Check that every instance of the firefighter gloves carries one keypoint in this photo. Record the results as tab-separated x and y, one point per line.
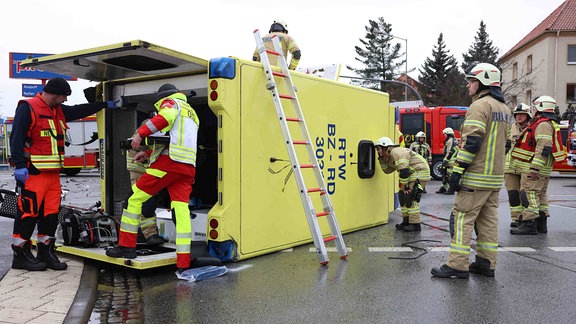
21	174
113	104
455	181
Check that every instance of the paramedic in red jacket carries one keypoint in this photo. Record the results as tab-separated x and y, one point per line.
37	152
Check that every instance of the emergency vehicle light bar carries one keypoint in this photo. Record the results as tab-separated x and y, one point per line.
223	67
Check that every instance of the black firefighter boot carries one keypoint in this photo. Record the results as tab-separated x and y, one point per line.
47	254
24	259
542	223
405	222
526	228
481	266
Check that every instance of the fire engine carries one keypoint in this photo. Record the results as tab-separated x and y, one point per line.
568	132
250	202
81	141
431	120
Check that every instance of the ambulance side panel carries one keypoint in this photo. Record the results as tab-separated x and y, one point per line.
259	206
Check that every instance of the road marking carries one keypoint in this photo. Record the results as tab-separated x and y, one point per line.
390	249
563	249
516	249
330	249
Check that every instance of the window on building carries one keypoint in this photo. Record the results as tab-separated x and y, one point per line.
571	93
514	101
514	71
571	54
529	64
528	97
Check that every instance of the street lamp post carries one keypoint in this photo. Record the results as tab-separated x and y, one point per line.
406	60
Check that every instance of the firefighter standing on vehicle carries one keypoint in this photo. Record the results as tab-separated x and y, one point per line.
535	151
136	168
280	29
413	172
522	115
450	153
478	175
174	169
37	151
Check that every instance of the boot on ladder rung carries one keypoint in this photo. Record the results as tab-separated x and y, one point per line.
311	215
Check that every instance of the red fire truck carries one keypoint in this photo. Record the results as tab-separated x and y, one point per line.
82	145
431	120
568	133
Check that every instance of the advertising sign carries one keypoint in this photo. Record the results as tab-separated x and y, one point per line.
30	90
17	72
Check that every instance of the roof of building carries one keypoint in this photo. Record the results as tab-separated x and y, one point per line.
561	19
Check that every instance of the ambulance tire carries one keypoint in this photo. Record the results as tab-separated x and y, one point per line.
435	169
71	171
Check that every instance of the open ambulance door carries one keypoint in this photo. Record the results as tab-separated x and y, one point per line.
132	72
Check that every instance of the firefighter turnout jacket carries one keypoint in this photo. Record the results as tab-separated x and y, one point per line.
538	146
288	45
410	165
423	149
482	152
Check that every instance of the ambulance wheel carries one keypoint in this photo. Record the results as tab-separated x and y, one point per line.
71	171
435	169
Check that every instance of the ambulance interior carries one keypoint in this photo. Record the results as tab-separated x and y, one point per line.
138	101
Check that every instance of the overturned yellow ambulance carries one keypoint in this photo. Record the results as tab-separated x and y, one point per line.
244	183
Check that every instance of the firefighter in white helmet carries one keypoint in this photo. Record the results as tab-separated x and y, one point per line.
478	176
279	28
413	172
522	116
450	153
535	151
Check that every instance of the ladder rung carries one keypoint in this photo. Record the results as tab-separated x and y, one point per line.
306	166
329	238
300	142
321	214
272	52
286	97
293	119
279	74
315	190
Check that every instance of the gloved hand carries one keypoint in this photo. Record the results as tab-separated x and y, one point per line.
444	164
454	181
113	104
21	174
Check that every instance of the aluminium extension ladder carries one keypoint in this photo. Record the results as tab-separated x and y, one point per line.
311	215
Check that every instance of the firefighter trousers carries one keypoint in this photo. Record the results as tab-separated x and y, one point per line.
409	206
179	187
534	196
480	207
38	202
512	181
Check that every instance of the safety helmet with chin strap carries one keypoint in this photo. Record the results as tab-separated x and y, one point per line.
486	73
384	142
420	134
523	108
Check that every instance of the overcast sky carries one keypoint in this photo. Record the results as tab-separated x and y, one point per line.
326	31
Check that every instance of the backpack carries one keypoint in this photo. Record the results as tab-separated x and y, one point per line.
87	228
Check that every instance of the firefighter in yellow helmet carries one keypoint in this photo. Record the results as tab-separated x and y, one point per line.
478	176
280	29
535	151
450	153
413	172
522	116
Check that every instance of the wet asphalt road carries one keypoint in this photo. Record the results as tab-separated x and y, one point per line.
386	278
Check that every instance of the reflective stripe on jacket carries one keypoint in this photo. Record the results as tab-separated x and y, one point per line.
45	137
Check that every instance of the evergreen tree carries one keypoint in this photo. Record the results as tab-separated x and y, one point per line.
481	50
380	57
442	83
